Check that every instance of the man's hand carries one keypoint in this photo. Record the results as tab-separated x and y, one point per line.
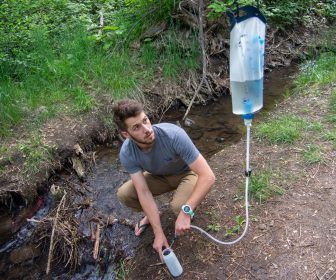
160	241
182	224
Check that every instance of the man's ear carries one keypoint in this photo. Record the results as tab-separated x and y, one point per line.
124	134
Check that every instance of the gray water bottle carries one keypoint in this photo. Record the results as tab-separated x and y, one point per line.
172	262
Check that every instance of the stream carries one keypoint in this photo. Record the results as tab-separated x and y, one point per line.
212	128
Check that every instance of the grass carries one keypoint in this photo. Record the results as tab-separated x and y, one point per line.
281	130
122	270
261	186
329	135
312	154
70	76
36	155
172	54
321	71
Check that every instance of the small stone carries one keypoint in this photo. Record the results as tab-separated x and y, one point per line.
262	227
189	122
22	254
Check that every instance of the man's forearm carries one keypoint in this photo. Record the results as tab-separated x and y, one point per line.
151	211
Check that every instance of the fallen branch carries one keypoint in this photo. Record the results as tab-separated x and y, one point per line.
93	237
96	245
51	247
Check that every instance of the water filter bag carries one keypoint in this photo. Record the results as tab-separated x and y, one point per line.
247	46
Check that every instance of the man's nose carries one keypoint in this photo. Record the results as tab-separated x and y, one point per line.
145	128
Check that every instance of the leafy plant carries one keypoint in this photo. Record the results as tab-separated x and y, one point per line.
236	228
217	8
213	227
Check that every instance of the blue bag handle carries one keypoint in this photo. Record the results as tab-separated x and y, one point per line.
249	11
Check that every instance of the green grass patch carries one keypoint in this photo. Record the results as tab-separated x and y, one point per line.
261	186
321	71
67	76
329	135
281	130
314	126
122	270
36	154
312	154
172	53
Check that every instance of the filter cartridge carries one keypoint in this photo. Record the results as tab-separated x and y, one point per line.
172	262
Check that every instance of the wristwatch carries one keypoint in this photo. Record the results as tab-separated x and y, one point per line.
187	210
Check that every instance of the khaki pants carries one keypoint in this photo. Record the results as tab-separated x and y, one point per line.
183	185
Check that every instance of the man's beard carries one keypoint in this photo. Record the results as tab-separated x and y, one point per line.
144	141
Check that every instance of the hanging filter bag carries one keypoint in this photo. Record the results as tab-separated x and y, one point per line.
247	45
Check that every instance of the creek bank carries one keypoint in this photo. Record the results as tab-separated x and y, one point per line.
18	191
91	129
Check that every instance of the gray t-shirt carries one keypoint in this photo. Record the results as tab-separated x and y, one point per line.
171	153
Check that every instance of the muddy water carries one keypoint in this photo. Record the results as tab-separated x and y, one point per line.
211	128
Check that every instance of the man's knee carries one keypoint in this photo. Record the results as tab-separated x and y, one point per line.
121	195
176	206
127	195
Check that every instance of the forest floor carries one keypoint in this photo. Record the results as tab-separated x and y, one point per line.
291	235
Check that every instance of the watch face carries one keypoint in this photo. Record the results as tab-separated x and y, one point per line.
186	209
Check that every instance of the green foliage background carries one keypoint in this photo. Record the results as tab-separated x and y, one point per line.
53	59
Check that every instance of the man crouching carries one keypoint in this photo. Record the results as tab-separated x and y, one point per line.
160	158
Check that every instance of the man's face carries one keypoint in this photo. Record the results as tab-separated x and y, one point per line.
140	130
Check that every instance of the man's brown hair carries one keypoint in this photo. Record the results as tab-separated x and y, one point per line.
124	109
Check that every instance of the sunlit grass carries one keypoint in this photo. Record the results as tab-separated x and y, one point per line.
262	187
69	78
312	154
36	154
321	71
283	129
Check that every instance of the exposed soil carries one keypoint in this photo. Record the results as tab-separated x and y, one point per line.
290	236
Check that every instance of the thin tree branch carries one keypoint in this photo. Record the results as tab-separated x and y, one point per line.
51	247
204	60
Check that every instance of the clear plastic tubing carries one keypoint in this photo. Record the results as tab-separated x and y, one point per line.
248	129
